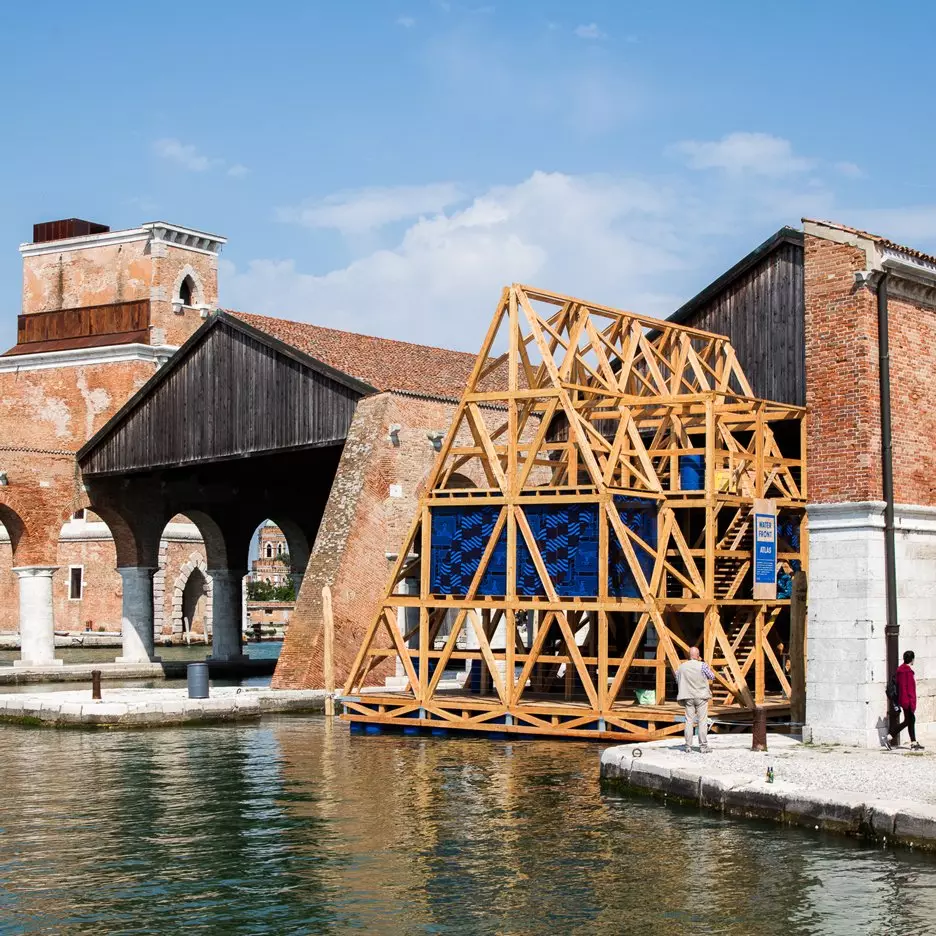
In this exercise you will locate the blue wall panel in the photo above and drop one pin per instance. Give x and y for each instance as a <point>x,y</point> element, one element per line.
<point>567,538</point>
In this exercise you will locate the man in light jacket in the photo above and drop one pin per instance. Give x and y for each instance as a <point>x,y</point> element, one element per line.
<point>692,679</point>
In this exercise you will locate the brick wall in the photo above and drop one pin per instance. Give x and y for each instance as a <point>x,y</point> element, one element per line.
<point>101,597</point>
<point>842,383</point>
<point>844,433</point>
<point>121,272</point>
<point>93,276</point>
<point>912,336</point>
<point>62,407</point>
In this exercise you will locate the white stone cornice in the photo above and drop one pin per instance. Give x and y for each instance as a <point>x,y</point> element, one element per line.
<point>907,265</point>
<point>107,239</point>
<point>854,515</point>
<point>914,518</point>
<point>174,235</point>
<point>869,515</point>
<point>84,357</point>
<point>156,232</point>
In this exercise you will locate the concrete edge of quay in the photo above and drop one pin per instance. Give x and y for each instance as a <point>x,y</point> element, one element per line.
<point>167,669</point>
<point>154,708</point>
<point>882,821</point>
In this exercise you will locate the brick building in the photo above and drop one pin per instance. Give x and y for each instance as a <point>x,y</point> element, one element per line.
<point>271,564</point>
<point>803,313</point>
<point>101,311</point>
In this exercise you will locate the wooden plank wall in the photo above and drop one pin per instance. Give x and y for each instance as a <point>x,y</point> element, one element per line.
<point>230,396</point>
<point>763,314</point>
<point>113,318</point>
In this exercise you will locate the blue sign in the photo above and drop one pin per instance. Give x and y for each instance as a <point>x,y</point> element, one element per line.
<point>765,549</point>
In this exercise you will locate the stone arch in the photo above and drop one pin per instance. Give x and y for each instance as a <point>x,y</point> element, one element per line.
<point>195,566</point>
<point>33,538</point>
<point>194,287</point>
<point>216,549</point>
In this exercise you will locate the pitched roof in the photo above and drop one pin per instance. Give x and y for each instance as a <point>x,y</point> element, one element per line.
<point>786,235</point>
<point>383,363</point>
<point>880,241</point>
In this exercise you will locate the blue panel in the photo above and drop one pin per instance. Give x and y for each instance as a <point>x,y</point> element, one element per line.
<point>692,472</point>
<point>459,535</point>
<point>639,516</point>
<point>567,538</point>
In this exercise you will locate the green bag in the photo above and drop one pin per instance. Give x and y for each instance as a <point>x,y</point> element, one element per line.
<point>645,696</point>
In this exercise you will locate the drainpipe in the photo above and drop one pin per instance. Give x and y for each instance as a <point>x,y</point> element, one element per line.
<point>892,626</point>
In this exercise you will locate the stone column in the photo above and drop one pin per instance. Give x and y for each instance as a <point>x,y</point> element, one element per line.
<point>226,614</point>
<point>37,636</point>
<point>137,620</point>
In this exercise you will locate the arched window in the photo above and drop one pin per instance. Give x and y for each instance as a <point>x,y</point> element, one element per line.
<point>187,291</point>
<point>269,550</point>
<point>279,549</point>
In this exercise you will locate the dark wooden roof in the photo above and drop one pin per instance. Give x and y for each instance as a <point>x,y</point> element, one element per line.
<point>230,391</point>
<point>759,304</point>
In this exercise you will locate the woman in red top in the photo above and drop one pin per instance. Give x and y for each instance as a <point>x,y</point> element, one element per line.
<point>906,699</point>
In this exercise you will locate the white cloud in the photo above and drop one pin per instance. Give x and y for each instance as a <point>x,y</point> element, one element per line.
<point>755,153</point>
<point>589,31</point>
<point>185,155</point>
<point>189,157</point>
<point>849,169</point>
<point>371,208</point>
<point>644,243</point>
<point>407,22</point>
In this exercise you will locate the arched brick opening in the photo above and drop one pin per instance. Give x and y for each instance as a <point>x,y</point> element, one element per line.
<point>216,548</point>
<point>191,599</point>
<point>30,527</point>
<point>187,288</point>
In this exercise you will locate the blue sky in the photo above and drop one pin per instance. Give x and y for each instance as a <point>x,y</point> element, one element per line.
<point>386,166</point>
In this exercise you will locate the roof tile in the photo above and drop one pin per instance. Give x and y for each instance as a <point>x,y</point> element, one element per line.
<point>384,363</point>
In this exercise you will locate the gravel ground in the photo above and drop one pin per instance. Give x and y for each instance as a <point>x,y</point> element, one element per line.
<point>881,774</point>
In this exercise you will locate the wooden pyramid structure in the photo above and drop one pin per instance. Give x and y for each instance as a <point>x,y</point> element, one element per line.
<point>589,518</point>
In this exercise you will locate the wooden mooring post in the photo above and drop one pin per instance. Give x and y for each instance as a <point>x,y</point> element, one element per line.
<point>328,649</point>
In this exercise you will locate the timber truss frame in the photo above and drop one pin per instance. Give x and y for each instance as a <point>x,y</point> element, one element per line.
<point>595,405</point>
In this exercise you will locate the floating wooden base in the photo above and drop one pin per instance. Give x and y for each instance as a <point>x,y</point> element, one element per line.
<point>539,716</point>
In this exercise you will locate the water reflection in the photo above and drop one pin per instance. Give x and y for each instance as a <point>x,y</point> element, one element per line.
<point>293,826</point>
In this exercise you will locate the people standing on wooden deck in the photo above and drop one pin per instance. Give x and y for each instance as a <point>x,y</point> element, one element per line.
<point>906,700</point>
<point>692,679</point>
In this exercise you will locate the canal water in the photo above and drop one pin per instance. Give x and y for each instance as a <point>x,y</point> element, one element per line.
<point>291,825</point>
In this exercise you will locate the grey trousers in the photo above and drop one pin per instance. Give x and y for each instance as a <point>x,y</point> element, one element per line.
<point>696,713</point>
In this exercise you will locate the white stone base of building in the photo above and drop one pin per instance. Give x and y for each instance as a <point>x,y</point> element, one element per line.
<point>846,656</point>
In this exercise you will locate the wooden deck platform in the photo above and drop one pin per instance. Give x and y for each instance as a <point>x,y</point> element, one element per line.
<point>540,714</point>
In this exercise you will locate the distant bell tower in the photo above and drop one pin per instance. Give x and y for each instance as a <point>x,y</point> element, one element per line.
<point>86,286</point>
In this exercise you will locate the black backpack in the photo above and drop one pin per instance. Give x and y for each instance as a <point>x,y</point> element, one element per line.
<point>891,690</point>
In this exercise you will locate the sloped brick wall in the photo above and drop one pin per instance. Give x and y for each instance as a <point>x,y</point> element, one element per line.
<point>362,524</point>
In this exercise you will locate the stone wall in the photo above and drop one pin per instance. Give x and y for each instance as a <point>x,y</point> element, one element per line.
<point>846,653</point>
